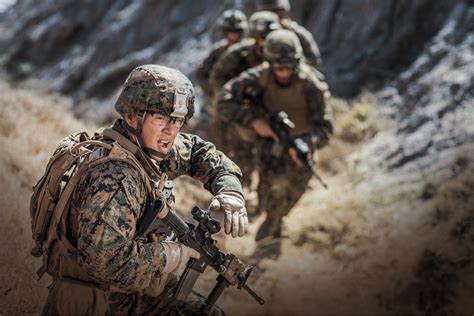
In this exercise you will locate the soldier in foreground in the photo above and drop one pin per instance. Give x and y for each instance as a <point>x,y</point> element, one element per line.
<point>238,144</point>
<point>284,83</point>
<point>282,9</point>
<point>100,263</point>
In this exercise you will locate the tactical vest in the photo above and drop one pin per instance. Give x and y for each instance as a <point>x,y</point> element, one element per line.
<point>248,58</point>
<point>49,213</point>
<point>291,99</point>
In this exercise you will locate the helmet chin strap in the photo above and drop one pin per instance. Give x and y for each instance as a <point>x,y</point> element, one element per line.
<point>137,132</point>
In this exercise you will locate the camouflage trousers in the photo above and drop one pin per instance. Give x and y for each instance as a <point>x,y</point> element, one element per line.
<point>73,297</point>
<point>281,185</point>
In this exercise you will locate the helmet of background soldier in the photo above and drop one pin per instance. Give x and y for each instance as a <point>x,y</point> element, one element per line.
<point>274,5</point>
<point>154,88</point>
<point>263,22</point>
<point>233,20</point>
<point>282,47</point>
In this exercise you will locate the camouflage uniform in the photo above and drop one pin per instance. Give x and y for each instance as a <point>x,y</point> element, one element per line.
<point>230,21</point>
<point>109,264</point>
<point>282,182</point>
<point>237,58</point>
<point>310,48</point>
<point>204,70</point>
<point>203,79</point>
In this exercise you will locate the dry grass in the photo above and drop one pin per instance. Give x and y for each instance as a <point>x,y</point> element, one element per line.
<point>354,122</point>
<point>357,123</point>
<point>30,126</point>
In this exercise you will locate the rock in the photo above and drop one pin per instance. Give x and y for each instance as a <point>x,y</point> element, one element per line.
<point>86,48</point>
<point>433,99</point>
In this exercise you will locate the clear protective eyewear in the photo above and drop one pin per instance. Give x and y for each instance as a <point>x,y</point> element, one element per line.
<point>162,120</point>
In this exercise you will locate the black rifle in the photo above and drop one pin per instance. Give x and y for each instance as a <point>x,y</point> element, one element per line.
<point>281,125</point>
<point>231,270</point>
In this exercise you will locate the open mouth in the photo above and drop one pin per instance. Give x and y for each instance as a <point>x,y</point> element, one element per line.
<point>164,145</point>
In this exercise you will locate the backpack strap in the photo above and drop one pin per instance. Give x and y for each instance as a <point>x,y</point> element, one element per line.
<point>134,149</point>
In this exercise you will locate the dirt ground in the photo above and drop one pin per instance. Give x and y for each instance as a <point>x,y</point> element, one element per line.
<point>375,243</point>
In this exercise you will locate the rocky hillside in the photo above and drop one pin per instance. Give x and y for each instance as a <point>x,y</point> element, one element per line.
<point>394,233</point>
<point>85,50</point>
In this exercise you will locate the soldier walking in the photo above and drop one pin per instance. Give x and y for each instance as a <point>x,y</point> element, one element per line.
<point>234,26</point>
<point>246,54</point>
<point>284,83</point>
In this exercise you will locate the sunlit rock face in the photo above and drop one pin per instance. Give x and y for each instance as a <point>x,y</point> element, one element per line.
<point>417,53</point>
<point>88,48</point>
<point>433,99</point>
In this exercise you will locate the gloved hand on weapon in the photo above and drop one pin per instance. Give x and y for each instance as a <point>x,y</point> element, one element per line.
<point>177,255</point>
<point>232,204</point>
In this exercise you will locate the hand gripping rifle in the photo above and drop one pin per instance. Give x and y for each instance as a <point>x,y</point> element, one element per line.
<point>281,125</point>
<point>231,270</point>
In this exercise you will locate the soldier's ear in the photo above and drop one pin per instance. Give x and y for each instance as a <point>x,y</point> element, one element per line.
<point>131,119</point>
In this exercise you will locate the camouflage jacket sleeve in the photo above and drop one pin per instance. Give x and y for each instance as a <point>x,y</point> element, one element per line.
<point>226,66</point>
<point>201,160</point>
<point>310,48</point>
<point>111,201</point>
<point>203,72</point>
<point>231,101</point>
<point>316,93</point>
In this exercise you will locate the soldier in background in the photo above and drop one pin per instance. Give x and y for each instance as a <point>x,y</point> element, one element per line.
<point>284,83</point>
<point>100,264</point>
<point>246,54</point>
<point>237,141</point>
<point>234,26</point>
<point>282,9</point>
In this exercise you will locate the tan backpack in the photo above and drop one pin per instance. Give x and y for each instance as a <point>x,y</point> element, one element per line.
<point>52,194</point>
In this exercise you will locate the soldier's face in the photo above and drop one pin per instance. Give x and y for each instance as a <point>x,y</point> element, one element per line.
<point>159,137</point>
<point>233,37</point>
<point>283,74</point>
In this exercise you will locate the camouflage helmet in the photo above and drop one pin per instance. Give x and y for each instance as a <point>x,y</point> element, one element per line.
<point>156,89</point>
<point>233,20</point>
<point>273,5</point>
<point>263,22</point>
<point>282,47</point>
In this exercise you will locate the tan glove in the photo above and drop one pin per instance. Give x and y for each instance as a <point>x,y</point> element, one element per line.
<point>177,255</point>
<point>232,204</point>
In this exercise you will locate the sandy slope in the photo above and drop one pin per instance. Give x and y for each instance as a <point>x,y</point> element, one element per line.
<point>31,124</point>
